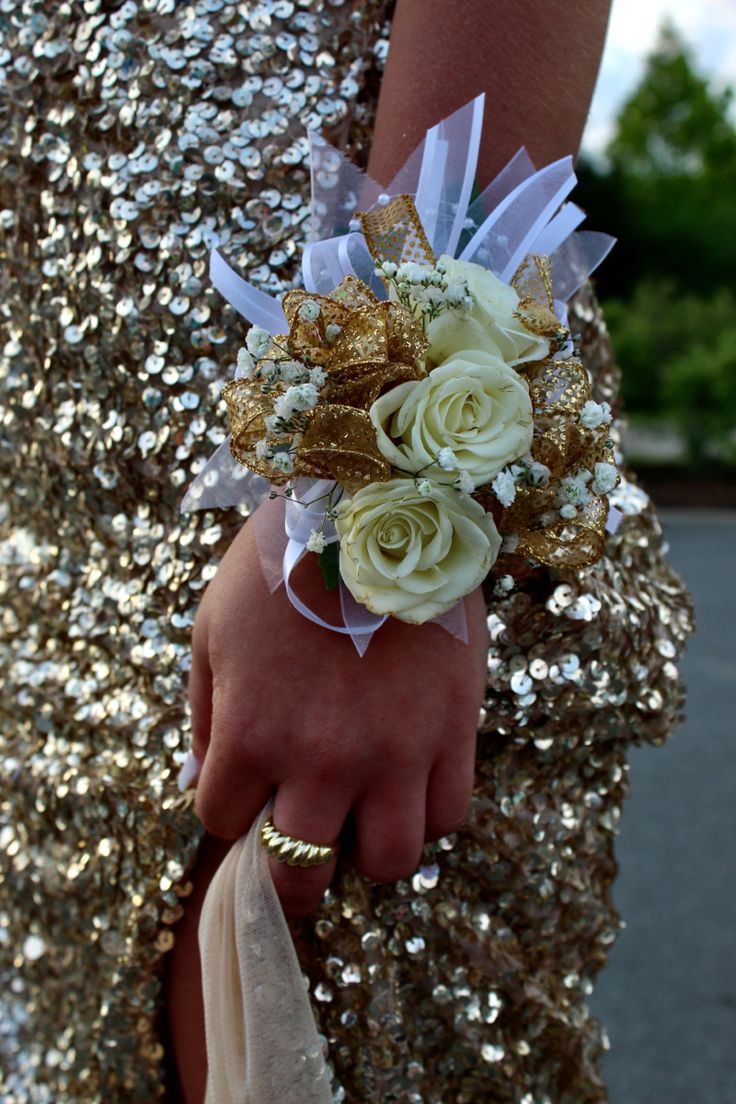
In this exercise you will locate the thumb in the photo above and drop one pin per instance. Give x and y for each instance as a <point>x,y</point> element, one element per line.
<point>200,702</point>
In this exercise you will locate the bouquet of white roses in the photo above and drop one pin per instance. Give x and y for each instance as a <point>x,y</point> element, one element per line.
<point>426,415</point>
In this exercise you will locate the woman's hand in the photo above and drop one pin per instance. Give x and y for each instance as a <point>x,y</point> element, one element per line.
<point>281,704</point>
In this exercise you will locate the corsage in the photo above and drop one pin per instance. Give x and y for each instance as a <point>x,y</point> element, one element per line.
<point>419,404</point>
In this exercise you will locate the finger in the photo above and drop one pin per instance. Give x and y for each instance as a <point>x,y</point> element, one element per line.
<point>230,793</point>
<point>309,811</point>
<point>200,692</point>
<point>389,828</point>
<point>450,789</point>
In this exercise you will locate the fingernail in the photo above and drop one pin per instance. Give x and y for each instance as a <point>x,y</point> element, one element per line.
<point>189,772</point>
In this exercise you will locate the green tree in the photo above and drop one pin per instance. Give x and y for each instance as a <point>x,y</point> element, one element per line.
<point>674,123</point>
<point>668,287</point>
<point>667,192</point>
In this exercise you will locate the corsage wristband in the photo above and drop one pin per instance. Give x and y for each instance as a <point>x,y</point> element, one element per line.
<point>418,404</point>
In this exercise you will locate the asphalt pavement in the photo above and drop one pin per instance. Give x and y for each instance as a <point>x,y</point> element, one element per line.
<point>668,994</point>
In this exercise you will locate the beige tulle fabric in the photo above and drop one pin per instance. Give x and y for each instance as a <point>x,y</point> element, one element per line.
<point>262,1040</point>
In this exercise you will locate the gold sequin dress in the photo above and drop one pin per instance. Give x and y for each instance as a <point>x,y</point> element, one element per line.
<point>133,137</point>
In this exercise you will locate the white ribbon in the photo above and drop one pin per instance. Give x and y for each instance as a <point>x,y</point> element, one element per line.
<point>448,168</point>
<point>303,514</point>
<point>255,305</point>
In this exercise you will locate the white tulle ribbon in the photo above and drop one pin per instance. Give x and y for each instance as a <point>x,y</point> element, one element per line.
<point>302,516</point>
<point>326,264</point>
<point>252,303</point>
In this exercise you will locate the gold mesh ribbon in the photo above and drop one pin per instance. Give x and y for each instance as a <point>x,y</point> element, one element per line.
<point>379,344</point>
<point>533,284</point>
<point>558,390</point>
<point>395,233</point>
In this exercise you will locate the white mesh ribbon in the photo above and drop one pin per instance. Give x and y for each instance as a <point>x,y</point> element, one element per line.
<point>262,1040</point>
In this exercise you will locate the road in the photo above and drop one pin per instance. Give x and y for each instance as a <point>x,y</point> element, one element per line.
<point>668,995</point>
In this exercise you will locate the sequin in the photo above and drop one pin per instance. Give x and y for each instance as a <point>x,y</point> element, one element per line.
<point>134,140</point>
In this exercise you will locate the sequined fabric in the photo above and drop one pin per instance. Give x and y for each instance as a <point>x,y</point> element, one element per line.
<point>468,983</point>
<point>133,137</point>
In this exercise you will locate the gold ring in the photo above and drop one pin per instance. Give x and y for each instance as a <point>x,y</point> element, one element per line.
<point>294,851</point>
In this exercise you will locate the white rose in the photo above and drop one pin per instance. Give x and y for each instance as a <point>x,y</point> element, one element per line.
<point>490,324</point>
<point>474,404</point>
<point>413,556</point>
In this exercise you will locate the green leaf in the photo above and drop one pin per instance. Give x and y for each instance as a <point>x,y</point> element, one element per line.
<point>329,562</point>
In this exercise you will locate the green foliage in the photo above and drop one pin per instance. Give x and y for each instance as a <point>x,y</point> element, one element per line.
<point>329,562</point>
<point>701,396</point>
<point>667,193</point>
<point>668,286</point>
<point>678,358</point>
<point>673,124</point>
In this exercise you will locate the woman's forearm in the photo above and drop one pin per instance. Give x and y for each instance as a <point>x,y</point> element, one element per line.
<point>536,60</point>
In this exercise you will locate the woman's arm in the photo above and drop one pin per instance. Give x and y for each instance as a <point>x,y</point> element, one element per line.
<point>537,60</point>
<point>279,705</point>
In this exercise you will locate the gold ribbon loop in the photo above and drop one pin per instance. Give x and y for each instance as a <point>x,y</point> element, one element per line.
<point>395,233</point>
<point>378,344</point>
<point>340,443</point>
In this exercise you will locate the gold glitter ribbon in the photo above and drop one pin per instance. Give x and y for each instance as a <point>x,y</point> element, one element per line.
<point>532,282</point>
<point>378,344</point>
<point>395,233</point>
<point>558,390</point>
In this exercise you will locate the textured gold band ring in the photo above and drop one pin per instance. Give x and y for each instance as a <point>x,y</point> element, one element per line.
<point>294,851</point>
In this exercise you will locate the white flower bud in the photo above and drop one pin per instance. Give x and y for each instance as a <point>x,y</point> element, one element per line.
<point>309,310</point>
<point>504,488</point>
<point>595,414</point>
<point>605,479</point>
<point>317,377</point>
<point>258,341</point>
<point>574,489</point>
<point>447,459</point>
<point>412,272</point>
<point>303,396</point>
<point>465,481</point>
<point>246,364</point>
<point>317,542</point>
<point>455,294</point>
<point>538,474</point>
<point>282,462</point>
<point>291,370</point>
<point>568,511</point>
<point>424,487</point>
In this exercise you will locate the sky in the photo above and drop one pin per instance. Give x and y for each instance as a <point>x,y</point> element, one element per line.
<point>708,26</point>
